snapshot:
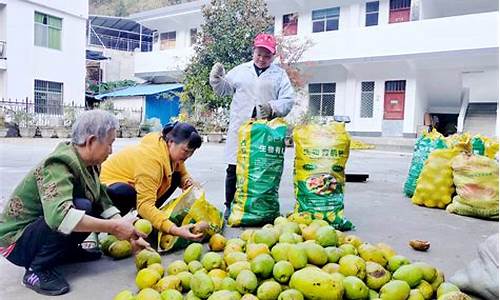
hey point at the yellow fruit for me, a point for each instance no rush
(368, 252)
(185, 278)
(217, 242)
(387, 250)
(146, 257)
(106, 242)
(143, 226)
(146, 278)
(193, 252)
(353, 240)
(217, 273)
(158, 268)
(202, 285)
(177, 267)
(168, 282)
(120, 249)
(148, 294)
(247, 234)
(171, 295)
(352, 265)
(124, 295)
(253, 250)
(212, 260)
(268, 290)
(316, 284)
(233, 257)
(410, 273)
(246, 282)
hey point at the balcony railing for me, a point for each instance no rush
(3, 48)
(118, 43)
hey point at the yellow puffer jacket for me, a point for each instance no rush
(147, 167)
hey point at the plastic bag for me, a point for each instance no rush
(435, 184)
(190, 207)
(483, 145)
(259, 167)
(476, 181)
(480, 277)
(321, 153)
(478, 146)
(424, 145)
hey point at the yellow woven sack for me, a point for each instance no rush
(490, 147)
(462, 141)
(190, 207)
(321, 153)
(435, 184)
(476, 180)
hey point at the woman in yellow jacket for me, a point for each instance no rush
(144, 176)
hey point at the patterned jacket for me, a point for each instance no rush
(48, 191)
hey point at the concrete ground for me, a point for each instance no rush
(378, 209)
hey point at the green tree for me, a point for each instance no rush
(121, 9)
(226, 36)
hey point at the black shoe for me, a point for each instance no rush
(78, 255)
(46, 282)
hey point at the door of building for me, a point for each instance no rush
(162, 108)
(394, 100)
(399, 11)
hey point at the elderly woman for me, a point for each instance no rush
(59, 202)
(145, 175)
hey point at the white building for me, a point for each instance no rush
(385, 64)
(42, 50)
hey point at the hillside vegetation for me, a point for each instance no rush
(123, 8)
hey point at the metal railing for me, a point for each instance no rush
(27, 113)
(119, 43)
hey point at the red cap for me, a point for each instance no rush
(265, 40)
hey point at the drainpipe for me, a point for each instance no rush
(463, 110)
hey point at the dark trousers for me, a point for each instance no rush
(40, 247)
(124, 196)
(230, 185)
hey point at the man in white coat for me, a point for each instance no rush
(260, 89)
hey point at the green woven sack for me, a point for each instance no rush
(259, 167)
(424, 145)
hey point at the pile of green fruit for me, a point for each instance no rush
(118, 249)
(289, 260)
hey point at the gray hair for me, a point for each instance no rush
(93, 122)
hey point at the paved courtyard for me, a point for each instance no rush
(378, 209)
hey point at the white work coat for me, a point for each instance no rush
(249, 90)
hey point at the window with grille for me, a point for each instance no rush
(399, 4)
(167, 40)
(395, 86)
(326, 19)
(367, 95)
(48, 31)
(290, 24)
(322, 99)
(48, 97)
(371, 18)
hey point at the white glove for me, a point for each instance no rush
(216, 74)
(264, 111)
